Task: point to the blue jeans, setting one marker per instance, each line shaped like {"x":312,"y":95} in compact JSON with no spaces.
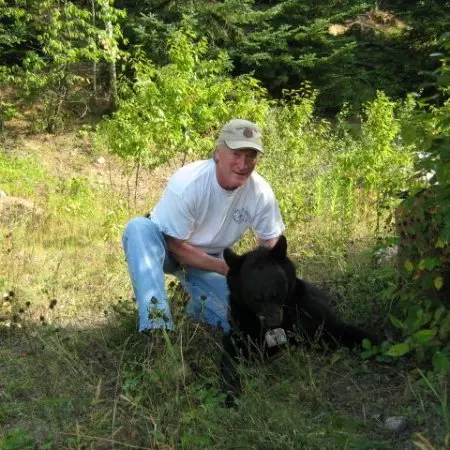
{"x":148,"y":260}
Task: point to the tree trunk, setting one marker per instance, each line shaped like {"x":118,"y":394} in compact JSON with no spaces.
{"x":94,"y":64}
{"x":112,"y":67}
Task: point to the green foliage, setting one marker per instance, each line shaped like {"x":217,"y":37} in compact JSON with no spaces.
{"x":379,"y":161}
{"x":286,"y":42}
{"x":297,"y":148}
{"x":75,"y":196}
{"x":14,"y":31}
{"x":223,"y":23}
{"x":176,"y":110}
{"x":422,"y":316}
{"x":8,"y":109}
{"x":281,"y":43}
{"x":20,"y":176}
{"x":17,"y":439}
{"x":66,"y":38}
{"x":322,"y":173}
{"x":426,"y":332}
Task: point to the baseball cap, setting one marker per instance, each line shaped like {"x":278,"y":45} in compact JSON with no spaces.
{"x":240,"y":134}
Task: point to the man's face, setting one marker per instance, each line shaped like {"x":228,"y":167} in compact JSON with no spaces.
{"x":234,"y":167}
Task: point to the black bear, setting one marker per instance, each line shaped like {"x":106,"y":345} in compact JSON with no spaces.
{"x":270,"y":306}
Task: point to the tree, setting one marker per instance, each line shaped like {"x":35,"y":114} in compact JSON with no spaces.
{"x":175,"y":110}
{"x":66,"y":40}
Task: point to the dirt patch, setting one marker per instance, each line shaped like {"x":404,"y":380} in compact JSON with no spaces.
{"x":13,"y":209}
{"x":73,"y":154}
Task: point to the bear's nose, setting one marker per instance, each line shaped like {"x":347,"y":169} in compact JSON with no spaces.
{"x":273,"y":319}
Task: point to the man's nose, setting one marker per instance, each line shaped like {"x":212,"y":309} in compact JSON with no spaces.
{"x":243,"y":162}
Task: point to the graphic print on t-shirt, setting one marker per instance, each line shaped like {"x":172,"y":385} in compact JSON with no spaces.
{"x":241,"y":215}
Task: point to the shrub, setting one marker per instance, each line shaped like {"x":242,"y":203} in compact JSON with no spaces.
{"x":175,"y":111}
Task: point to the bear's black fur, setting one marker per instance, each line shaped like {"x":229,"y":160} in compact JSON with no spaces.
{"x":265,"y":294}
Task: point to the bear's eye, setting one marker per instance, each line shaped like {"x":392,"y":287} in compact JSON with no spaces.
{"x":276,"y":298}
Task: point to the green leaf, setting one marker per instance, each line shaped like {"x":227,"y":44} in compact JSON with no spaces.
{"x":424,"y":336}
{"x":409,"y":267}
{"x":440,"y":243}
{"x":383,"y":358}
{"x":398,"y":349}
{"x":445,"y":323}
{"x":384,"y":346}
{"x":427,"y":280}
{"x":441,"y":363}
{"x":336,"y":357}
{"x":438,"y":283}
{"x":432,"y":263}
{"x":429,"y":264}
{"x":415,"y":319}
{"x":396,"y":322}
{"x":438,"y":313}
{"x":366,"y":344}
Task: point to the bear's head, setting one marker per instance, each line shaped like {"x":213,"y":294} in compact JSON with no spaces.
{"x":261,"y":281}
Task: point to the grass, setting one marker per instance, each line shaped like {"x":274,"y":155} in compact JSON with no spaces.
{"x":75,"y":374}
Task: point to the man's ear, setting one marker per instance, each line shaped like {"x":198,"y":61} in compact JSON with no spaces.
{"x":279,"y":250}
{"x":232,"y":259}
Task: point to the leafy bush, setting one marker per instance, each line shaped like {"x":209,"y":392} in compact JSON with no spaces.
{"x":176,"y":110}
{"x":330,"y":175}
{"x":64,"y":39}
{"x":423,"y":223}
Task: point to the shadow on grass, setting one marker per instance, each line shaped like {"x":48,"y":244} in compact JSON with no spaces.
{"x":109,"y":387}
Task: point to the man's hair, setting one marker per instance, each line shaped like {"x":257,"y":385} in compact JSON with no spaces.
{"x":219,"y":146}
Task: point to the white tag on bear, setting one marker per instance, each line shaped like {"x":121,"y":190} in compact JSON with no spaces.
{"x":275,"y":337}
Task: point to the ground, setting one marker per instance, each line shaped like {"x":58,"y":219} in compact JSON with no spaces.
{"x":74,"y":373}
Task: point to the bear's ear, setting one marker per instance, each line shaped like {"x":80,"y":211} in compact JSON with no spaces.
{"x":279,"y":250}
{"x":232,"y":259}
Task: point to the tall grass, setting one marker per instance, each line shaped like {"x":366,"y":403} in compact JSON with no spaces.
{"x":74,"y":373}
{"x":336,"y":184}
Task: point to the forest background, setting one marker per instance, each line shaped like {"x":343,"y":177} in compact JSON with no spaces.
{"x":100,"y":101}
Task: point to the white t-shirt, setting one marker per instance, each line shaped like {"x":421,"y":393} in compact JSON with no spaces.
{"x":196,"y":209}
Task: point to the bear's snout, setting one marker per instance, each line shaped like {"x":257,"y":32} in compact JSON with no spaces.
{"x":271,"y":317}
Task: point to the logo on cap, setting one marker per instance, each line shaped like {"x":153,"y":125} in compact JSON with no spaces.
{"x":248,"y":132}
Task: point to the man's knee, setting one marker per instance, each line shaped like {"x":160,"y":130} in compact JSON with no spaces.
{"x":141,"y":226}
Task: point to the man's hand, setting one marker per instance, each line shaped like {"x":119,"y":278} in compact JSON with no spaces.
{"x":225,"y":268}
{"x":268,"y":242}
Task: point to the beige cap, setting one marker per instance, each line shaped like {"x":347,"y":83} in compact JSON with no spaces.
{"x":240,"y":134}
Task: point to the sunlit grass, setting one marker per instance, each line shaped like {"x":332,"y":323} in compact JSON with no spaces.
{"x":74,"y":373}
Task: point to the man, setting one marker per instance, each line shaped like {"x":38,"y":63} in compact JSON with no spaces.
{"x":206,"y":207}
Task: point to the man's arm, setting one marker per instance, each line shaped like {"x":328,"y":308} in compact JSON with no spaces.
{"x":268,"y":242}
{"x":188,"y":255}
